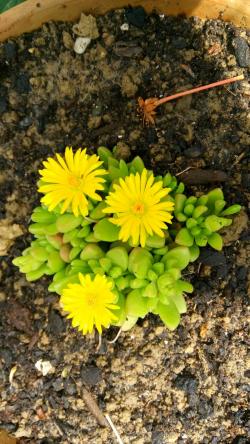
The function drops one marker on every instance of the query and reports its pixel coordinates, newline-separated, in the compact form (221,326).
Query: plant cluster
(101,232)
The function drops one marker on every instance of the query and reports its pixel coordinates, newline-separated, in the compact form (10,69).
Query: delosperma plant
(115,238)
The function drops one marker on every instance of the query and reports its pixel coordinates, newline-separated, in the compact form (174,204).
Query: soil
(189,386)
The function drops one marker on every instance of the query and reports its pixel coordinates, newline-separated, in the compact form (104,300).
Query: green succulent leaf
(155,241)
(198,211)
(180,188)
(179,200)
(179,301)
(55,262)
(136,304)
(58,285)
(91,251)
(231,210)
(97,212)
(39,253)
(43,216)
(215,241)
(158,267)
(168,314)
(137,165)
(104,230)
(55,241)
(138,283)
(115,272)
(150,291)
(194,252)
(184,237)
(178,257)
(67,222)
(201,240)
(129,323)
(105,263)
(105,154)
(213,196)
(140,262)
(118,256)
(120,313)
(37,274)
(188,210)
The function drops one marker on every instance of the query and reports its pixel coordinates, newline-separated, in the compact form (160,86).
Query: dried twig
(119,440)
(94,408)
(184,171)
(147,107)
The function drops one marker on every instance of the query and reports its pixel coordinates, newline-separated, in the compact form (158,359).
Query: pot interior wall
(32,14)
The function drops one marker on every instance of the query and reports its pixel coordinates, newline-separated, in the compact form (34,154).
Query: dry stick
(94,408)
(119,440)
(198,89)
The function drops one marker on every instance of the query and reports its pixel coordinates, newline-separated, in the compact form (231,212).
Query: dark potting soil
(188,386)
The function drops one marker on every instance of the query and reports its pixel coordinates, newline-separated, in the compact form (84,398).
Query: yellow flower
(69,181)
(89,303)
(139,207)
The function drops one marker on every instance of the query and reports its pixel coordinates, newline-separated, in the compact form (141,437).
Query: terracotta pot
(33,13)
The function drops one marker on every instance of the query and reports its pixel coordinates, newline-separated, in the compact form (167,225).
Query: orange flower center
(138,208)
(91,299)
(74,181)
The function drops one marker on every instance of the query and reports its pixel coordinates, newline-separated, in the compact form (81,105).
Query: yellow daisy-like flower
(70,180)
(90,303)
(139,207)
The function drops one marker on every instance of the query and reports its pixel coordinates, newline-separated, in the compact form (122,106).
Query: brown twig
(94,408)
(147,107)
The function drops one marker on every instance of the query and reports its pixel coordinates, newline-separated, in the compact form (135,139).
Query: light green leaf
(104,230)
(168,314)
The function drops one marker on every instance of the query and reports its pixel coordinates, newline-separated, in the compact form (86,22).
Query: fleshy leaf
(67,222)
(155,241)
(104,230)
(215,241)
(194,252)
(119,256)
(91,251)
(168,314)
(97,212)
(137,164)
(129,323)
(136,304)
(178,257)
(184,237)
(179,301)
(231,210)
(140,261)
(180,200)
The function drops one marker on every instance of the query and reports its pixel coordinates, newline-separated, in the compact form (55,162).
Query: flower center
(91,299)
(74,181)
(138,208)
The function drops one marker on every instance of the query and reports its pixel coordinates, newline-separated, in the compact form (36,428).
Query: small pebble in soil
(81,44)
(91,374)
(124,27)
(87,27)
(122,151)
(44,367)
(22,83)
(56,323)
(242,52)
(193,152)
(10,50)
(136,16)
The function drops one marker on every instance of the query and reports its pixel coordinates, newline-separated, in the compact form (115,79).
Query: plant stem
(198,89)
